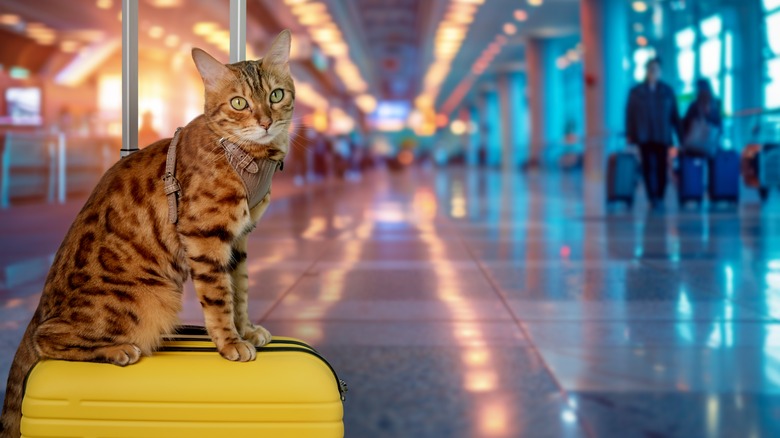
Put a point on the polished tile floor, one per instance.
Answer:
(478, 304)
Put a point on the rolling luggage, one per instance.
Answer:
(769, 168)
(188, 390)
(724, 176)
(690, 184)
(622, 168)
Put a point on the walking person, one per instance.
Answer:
(652, 119)
(702, 124)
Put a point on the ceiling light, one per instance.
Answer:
(510, 29)
(325, 35)
(366, 103)
(218, 37)
(69, 46)
(309, 8)
(10, 19)
(104, 4)
(335, 49)
(458, 127)
(156, 32)
(172, 41)
(204, 28)
(463, 9)
(535, 2)
(521, 15)
(45, 39)
(165, 3)
(639, 6)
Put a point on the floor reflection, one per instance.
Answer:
(474, 303)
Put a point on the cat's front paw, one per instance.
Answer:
(257, 335)
(239, 351)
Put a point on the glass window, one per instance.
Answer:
(641, 56)
(686, 59)
(710, 57)
(772, 92)
(772, 23)
(711, 26)
(771, 4)
(773, 31)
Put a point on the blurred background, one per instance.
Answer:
(498, 83)
(441, 227)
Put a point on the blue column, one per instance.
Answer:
(605, 37)
(476, 139)
(492, 122)
(515, 123)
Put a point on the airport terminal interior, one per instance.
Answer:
(474, 223)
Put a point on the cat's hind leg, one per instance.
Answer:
(59, 339)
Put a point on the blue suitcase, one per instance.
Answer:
(690, 183)
(622, 170)
(724, 176)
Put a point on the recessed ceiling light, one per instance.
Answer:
(639, 6)
(510, 29)
(172, 40)
(521, 15)
(535, 2)
(156, 32)
(165, 3)
(10, 19)
(204, 28)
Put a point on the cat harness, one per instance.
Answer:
(256, 174)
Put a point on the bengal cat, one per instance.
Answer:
(115, 286)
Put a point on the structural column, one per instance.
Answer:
(605, 37)
(475, 140)
(493, 127)
(514, 119)
(545, 95)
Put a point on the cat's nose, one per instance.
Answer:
(265, 123)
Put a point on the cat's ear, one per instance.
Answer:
(211, 70)
(279, 53)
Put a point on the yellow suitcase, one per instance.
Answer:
(187, 390)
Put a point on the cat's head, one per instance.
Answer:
(250, 102)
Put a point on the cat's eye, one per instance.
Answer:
(238, 103)
(277, 95)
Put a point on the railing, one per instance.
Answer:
(51, 167)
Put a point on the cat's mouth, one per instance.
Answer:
(260, 136)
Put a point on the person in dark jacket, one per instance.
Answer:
(652, 119)
(704, 107)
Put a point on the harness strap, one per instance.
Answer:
(172, 186)
(255, 174)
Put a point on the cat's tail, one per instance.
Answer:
(26, 357)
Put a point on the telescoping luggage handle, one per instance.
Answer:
(130, 64)
(198, 333)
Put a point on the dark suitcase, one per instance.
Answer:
(621, 177)
(724, 176)
(690, 183)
